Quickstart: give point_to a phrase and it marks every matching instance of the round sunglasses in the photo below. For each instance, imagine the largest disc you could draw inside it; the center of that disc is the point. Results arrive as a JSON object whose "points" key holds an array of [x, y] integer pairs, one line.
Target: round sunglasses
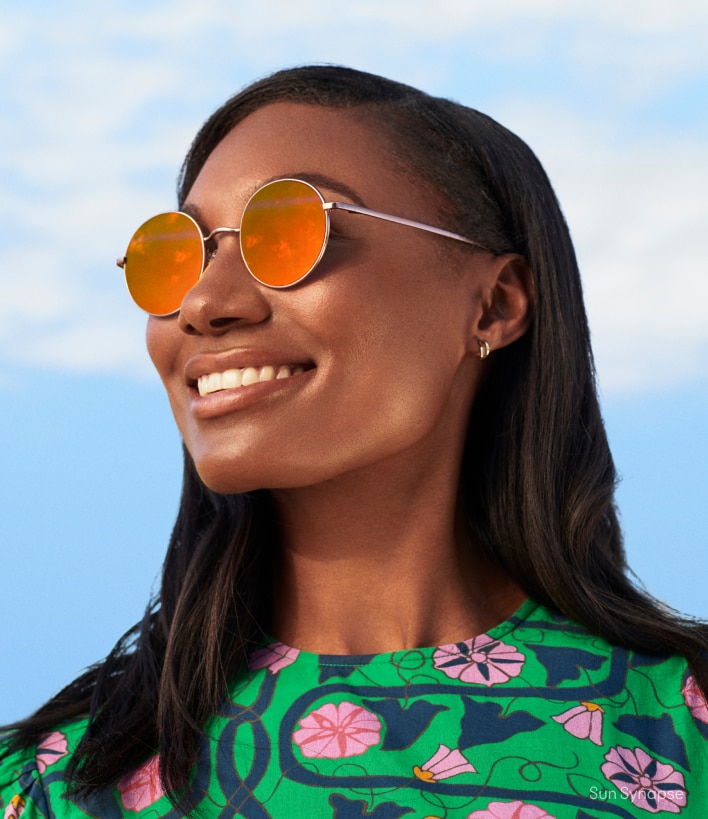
{"points": [[283, 235]]}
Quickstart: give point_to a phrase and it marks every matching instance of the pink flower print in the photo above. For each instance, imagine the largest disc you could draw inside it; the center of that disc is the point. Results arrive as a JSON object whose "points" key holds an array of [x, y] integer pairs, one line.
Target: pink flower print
{"points": [[482, 660], [335, 731], [695, 699], [584, 721], [444, 764], [650, 784], [511, 810], [15, 807], [274, 657], [142, 787], [51, 749]]}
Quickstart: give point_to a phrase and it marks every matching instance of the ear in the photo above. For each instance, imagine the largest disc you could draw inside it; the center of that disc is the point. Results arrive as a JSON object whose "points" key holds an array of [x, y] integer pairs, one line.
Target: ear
{"points": [[508, 299]]}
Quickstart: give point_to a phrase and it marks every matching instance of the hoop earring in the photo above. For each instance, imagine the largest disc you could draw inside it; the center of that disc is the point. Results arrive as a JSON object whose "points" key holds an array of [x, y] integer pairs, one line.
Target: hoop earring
{"points": [[484, 349]]}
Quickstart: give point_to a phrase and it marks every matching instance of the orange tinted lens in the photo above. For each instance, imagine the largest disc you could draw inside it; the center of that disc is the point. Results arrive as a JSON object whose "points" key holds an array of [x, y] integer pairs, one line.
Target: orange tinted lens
{"points": [[283, 232], [163, 261]]}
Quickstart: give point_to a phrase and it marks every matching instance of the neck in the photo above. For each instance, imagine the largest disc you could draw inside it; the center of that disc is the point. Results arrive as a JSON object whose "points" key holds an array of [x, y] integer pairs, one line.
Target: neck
{"points": [[369, 566]]}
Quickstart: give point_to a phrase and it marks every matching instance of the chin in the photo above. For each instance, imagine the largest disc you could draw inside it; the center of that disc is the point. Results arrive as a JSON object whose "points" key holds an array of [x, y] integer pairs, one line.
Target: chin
{"points": [[232, 476], [227, 481], [236, 478]]}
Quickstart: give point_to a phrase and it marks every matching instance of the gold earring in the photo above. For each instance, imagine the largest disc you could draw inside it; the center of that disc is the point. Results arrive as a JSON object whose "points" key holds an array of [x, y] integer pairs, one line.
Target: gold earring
{"points": [[484, 348]]}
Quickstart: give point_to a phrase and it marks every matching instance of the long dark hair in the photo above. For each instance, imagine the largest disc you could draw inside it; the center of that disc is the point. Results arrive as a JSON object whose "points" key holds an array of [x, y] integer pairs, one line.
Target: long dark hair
{"points": [[537, 481]]}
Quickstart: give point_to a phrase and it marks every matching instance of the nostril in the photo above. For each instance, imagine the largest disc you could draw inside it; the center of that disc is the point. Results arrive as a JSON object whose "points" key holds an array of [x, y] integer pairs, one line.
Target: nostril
{"points": [[218, 323], [189, 329]]}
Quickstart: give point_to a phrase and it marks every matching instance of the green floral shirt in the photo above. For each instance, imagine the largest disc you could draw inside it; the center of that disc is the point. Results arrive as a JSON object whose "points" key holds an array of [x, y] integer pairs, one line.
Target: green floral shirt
{"points": [[536, 719]]}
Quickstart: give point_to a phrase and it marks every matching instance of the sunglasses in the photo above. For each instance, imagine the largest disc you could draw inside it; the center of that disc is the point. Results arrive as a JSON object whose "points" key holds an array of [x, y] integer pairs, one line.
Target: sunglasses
{"points": [[283, 235]]}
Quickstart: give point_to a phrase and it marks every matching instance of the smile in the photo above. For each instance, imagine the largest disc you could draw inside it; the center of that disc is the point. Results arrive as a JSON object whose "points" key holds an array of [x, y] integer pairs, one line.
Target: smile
{"points": [[245, 376]]}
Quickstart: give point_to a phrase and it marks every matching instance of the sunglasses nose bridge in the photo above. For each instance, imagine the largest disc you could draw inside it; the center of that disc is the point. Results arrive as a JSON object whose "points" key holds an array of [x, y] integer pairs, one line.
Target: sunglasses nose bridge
{"points": [[214, 237], [218, 230]]}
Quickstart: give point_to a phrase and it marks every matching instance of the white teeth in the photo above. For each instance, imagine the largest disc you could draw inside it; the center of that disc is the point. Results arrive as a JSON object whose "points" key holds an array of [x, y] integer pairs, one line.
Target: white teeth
{"points": [[213, 382], [232, 379], [250, 376]]}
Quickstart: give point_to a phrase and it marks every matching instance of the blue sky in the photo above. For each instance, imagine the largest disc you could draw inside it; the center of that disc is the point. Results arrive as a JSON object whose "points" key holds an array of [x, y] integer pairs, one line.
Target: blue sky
{"points": [[99, 103]]}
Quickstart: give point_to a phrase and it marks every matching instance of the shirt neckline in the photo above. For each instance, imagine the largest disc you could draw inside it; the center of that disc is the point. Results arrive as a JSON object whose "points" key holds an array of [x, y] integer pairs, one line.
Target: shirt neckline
{"points": [[321, 659]]}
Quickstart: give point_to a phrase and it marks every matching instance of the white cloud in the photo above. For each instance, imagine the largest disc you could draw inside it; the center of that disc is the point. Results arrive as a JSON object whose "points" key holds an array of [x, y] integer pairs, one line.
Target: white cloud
{"points": [[94, 344], [638, 214]]}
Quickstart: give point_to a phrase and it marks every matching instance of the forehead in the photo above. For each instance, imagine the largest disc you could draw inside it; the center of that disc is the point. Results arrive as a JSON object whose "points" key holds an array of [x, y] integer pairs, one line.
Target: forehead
{"points": [[297, 140]]}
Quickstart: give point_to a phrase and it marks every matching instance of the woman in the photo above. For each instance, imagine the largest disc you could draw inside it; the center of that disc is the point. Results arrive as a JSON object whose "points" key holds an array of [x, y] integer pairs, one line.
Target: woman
{"points": [[384, 385]]}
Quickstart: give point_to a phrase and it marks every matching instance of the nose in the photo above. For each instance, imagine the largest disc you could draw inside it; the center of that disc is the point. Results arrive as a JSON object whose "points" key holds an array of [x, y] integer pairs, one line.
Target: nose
{"points": [[225, 295]]}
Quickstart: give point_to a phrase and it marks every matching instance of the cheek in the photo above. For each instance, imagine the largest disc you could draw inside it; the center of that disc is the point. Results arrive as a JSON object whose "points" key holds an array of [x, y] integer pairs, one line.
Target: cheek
{"points": [[394, 363], [406, 322], [160, 338]]}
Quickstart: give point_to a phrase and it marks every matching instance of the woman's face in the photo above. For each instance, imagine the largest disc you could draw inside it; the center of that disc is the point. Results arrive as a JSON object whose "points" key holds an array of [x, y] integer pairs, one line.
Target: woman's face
{"points": [[376, 344]]}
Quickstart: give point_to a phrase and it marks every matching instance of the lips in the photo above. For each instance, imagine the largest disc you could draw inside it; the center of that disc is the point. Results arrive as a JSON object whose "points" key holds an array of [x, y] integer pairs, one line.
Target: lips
{"points": [[238, 377]]}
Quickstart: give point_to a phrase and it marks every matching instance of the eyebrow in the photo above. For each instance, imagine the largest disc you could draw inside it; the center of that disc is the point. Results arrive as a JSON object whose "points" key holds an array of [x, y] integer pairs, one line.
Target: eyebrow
{"points": [[195, 212], [317, 179], [320, 180]]}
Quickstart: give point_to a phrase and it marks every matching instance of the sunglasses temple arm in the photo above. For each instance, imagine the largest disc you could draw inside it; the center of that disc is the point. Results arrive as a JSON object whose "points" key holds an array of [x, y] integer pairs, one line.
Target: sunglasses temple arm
{"points": [[400, 220]]}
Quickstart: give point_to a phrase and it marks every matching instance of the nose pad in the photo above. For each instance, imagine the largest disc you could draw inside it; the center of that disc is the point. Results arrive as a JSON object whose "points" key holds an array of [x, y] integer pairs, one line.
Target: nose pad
{"points": [[226, 293]]}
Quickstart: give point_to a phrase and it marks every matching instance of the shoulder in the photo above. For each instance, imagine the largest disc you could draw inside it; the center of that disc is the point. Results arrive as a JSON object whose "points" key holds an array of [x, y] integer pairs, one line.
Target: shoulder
{"points": [[33, 782], [28, 776], [646, 701], [567, 651]]}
